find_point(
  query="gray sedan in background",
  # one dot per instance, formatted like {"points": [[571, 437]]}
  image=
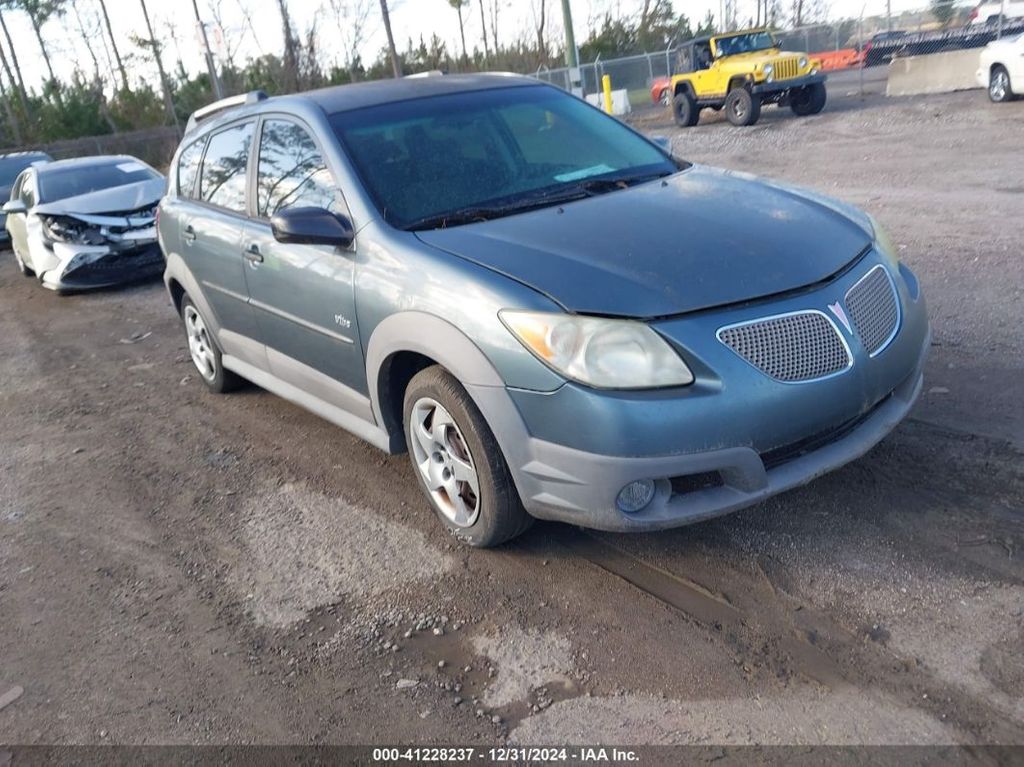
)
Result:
{"points": [[86, 223], [555, 317]]}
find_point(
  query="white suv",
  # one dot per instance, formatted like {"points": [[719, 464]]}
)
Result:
{"points": [[1001, 68]]}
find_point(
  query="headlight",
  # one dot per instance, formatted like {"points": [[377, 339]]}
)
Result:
{"points": [[884, 243], [607, 354], [803, 62], [769, 70]]}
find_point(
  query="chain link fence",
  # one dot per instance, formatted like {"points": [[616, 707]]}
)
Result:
{"points": [[155, 146], [867, 41]]}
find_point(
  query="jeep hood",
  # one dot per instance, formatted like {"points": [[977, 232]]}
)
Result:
{"points": [[116, 199], [698, 239]]}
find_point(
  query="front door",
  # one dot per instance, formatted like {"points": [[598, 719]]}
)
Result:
{"points": [[16, 224], [302, 295]]}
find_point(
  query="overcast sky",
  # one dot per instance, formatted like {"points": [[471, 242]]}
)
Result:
{"points": [[175, 23]]}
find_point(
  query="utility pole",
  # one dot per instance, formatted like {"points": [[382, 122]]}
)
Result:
{"points": [[396, 65], [888, 15], [572, 53], [217, 91]]}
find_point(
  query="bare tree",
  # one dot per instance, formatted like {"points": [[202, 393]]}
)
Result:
{"points": [[113, 45], [12, 118], [87, 39], [396, 63], [483, 29], [16, 82], [539, 19], [165, 84], [291, 49], [39, 12], [351, 17], [458, 5]]}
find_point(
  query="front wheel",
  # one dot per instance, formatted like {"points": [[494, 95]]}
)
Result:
{"points": [[999, 89], [809, 100], [458, 463], [742, 107]]}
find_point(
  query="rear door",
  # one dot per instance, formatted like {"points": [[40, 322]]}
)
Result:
{"points": [[302, 295], [211, 228]]}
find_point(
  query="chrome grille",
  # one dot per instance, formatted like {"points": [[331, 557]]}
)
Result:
{"points": [[874, 309], [784, 69], [793, 348]]}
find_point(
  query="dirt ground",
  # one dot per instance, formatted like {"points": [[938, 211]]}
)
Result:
{"points": [[183, 568]]}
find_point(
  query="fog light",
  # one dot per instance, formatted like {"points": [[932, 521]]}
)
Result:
{"points": [[635, 496]]}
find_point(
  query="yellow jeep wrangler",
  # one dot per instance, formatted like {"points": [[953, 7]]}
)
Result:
{"points": [[741, 71]]}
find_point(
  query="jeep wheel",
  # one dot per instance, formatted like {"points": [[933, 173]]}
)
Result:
{"points": [[999, 89], [742, 107], [458, 463], [809, 100], [685, 110]]}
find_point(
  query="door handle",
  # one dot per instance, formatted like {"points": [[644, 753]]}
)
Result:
{"points": [[252, 254], [189, 235]]}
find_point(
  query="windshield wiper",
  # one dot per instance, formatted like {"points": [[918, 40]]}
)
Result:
{"points": [[611, 183]]}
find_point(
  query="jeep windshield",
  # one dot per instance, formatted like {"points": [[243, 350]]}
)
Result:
{"points": [[454, 159], [754, 41]]}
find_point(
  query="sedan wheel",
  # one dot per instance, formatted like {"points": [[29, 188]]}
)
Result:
{"points": [[444, 462], [999, 86]]}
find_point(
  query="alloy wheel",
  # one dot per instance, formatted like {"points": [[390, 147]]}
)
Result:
{"points": [[999, 85], [199, 345], [444, 462]]}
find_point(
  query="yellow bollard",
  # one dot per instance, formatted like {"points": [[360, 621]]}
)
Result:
{"points": [[606, 84]]}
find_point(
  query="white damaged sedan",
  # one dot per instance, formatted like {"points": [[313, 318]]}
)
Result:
{"points": [[85, 223]]}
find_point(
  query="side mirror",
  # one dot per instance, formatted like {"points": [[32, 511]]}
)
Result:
{"points": [[14, 206], [312, 226], [664, 142]]}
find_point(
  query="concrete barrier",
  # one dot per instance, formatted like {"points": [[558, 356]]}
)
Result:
{"points": [[933, 73], [620, 101]]}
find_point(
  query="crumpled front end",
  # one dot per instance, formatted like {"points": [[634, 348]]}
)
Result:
{"points": [[80, 251]]}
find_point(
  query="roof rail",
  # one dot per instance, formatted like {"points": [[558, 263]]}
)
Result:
{"points": [[242, 99]]}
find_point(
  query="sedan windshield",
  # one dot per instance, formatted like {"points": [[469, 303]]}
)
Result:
{"points": [[61, 183], [452, 159], [755, 41]]}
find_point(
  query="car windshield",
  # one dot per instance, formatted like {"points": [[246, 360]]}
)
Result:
{"points": [[61, 183], [754, 41], [443, 160], [10, 167]]}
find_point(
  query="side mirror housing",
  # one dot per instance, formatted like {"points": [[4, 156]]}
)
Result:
{"points": [[312, 226], [664, 142], [14, 206]]}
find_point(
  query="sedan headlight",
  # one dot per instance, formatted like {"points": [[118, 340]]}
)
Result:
{"points": [[604, 353]]}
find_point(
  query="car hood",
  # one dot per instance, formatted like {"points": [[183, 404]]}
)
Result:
{"points": [[117, 199], [699, 239]]}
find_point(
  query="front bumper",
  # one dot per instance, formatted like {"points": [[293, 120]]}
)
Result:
{"points": [[84, 267], [784, 85], [733, 438]]}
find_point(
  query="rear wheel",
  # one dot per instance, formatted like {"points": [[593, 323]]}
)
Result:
{"points": [[809, 100], [685, 110], [742, 107], [458, 463], [999, 89], [204, 352], [663, 98]]}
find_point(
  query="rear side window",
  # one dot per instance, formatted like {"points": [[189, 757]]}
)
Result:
{"points": [[188, 167], [292, 173], [222, 181]]}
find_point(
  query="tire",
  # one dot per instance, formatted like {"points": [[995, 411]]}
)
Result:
{"points": [[685, 110], [25, 270], [999, 90], [742, 107], [206, 356], [809, 100], [451, 447]]}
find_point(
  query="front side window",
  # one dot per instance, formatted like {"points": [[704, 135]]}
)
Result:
{"points": [[292, 172], [222, 180], [499, 148], [28, 192], [188, 167]]}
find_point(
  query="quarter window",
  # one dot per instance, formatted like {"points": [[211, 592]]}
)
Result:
{"points": [[222, 181], [292, 172], [188, 167]]}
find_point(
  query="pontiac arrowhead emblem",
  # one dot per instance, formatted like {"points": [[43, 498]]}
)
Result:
{"points": [[837, 310]]}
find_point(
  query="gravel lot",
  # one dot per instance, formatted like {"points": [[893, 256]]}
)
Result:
{"points": [[177, 567]]}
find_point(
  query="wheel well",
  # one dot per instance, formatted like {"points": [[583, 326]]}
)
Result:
{"points": [[177, 293], [995, 65], [392, 380], [683, 87], [739, 81]]}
